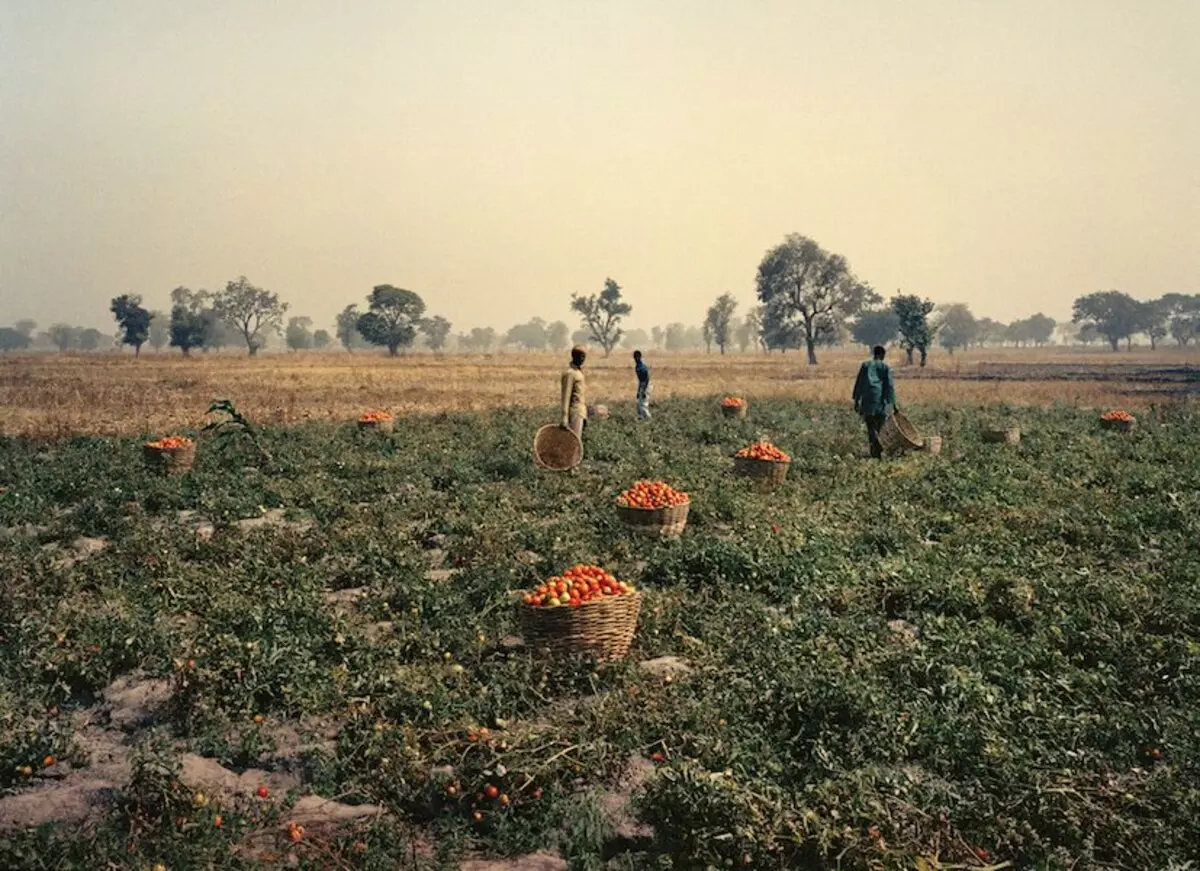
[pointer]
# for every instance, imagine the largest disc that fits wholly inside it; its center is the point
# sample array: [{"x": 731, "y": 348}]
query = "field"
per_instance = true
[{"x": 989, "y": 658}]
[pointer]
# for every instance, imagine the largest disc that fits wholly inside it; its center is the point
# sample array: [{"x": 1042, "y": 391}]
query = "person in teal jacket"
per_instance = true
[{"x": 874, "y": 394}]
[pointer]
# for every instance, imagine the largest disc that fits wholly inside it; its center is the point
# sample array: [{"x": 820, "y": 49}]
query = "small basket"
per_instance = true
[
  {"x": 170, "y": 461},
  {"x": 735, "y": 410},
  {"x": 1010, "y": 436},
  {"x": 899, "y": 435},
  {"x": 377, "y": 425},
  {"x": 766, "y": 472},
  {"x": 1125, "y": 426},
  {"x": 602, "y": 627},
  {"x": 932, "y": 445},
  {"x": 556, "y": 449},
  {"x": 666, "y": 522},
  {"x": 598, "y": 412}
]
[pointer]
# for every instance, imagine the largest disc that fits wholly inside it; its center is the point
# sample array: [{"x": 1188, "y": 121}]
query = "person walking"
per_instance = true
[
  {"x": 574, "y": 401},
  {"x": 874, "y": 393},
  {"x": 643, "y": 388}
]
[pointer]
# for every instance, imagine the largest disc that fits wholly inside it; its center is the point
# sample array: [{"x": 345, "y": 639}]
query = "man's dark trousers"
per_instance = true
[{"x": 875, "y": 423}]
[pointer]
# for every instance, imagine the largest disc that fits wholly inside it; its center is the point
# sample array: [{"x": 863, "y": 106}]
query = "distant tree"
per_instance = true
[
  {"x": 693, "y": 338},
  {"x": 657, "y": 336},
  {"x": 581, "y": 338},
  {"x": 1155, "y": 314},
  {"x": 191, "y": 320},
  {"x": 1115, "y": 315},
  {"x": 558, "y": 336},
  {"x": 12, "y": 339},
  {"x": 1183, "y": 316},
  {"x": 254, "y": 312},
  {"x": 26, "y": 327},
  {"x": 875, "y": 327},
  {"x": 436, "y": 329},
  {"x": 780, "y": 331},
  {"x": 160, "y": 331},
  {"x": 675, "y": 337},
  {"x": 635, "y": 340},
  {"x": 957, "y": 327},
  {"x": 392, "y": 318},
  {"x": 806, "y": 289},
  {"x": 322, "y": 339},
  {"x": 602, "y": 314},
  {"x": 706, "y": 334},
  {"x": 531, "y": 335},
  {"x": 133, "y": 320},
  {"x": 88, "y": 339},
  {"x": 719, "y": 320},
  {"x": 916, "y": 332},
  {"x": 219, "y": 333},
  {"x": 479, "y": 339},
  {"x": 346, "y": 327},
  {"x": 1040, "y": 329},
  {"x": 298, "y": 334},
  {"x": 1087, "y": 334},
  {"x": 64, "y": 336},
  {"x": 990, "y": 331}
]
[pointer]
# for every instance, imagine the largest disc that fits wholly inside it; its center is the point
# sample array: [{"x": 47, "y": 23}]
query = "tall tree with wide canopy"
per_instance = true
[
  {"x": 801, "y": 282},
  {"x": 393, "y": 317},
  {"x": 191, "y": 319},
  {"x": 1114, "y": 314},
  {"x": 253, "y": 311},
  {"x": 436, "y": 329},
  {"x": 875, "y": 327},
  {"x": 601, "y": 314},
  {"x": 133, "y": 320},
  {"x": 957, "y": 327},
  {"x": 1183, "y": 316},
  {"x": 916, "y": 332}
]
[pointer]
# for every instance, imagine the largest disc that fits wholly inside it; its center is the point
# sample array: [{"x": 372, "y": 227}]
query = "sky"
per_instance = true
[{"x": 496, "y": 157}]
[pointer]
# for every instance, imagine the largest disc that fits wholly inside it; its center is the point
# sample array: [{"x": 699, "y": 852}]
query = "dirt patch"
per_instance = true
[
  {"x": 666, "y": 668},
  {"x": 540, "y": 861},
  {"x": 273, "y": 518},
  {"x": 134, "y": 701},
  {"x": 80, "y": 549}
]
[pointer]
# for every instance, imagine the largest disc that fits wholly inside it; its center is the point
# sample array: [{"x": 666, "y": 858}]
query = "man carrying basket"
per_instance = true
[
  {"x": 574, "y": 403},
  {"x": 874, "y": 393}
]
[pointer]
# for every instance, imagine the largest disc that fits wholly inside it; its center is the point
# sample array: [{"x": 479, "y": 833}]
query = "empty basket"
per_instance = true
[
  {"x": 556, "y": 448},
  {"x": 899, "y": 435}
]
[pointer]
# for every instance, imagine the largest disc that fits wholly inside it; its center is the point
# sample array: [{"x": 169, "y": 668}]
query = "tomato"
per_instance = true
[{"x": 491, "y": 791}]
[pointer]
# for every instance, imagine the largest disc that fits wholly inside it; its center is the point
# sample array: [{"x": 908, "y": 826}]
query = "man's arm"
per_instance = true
[
  {"x": 567, "y": 381},
  {"x": 860, "y": 384}
]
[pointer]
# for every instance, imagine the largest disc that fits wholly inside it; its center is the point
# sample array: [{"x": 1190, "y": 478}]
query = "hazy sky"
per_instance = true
[{"x": 497, "y": 156}]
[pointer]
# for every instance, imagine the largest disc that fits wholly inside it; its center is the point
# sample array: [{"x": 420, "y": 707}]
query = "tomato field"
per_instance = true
[{"x": 987, "y": 658}]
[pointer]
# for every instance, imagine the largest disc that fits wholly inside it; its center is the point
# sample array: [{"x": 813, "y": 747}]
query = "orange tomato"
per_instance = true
[
  {"x": 170, "y": 443},
  {"x": 764, "y": 450}
]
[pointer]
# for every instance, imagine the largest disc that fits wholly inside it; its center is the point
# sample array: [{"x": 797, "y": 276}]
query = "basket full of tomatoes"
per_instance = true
[
  {"x": 583, "y": 610},
  {"x": 763, "y": 462},
  {"x": 377, "y": 420},
  {"x": 655, "y": 508},
  {"x": 734, "y": 406},
  {"x": 1121, "y": 421},
  {"x": 172, "y": 455}
]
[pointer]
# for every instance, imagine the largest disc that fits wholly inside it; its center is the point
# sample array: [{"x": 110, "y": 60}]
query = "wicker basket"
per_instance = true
[
  {"x": 602, "y": 627},
  {"x": 170, "y": 461},
  {"x": 556, "y": 448},
  {"x": 766, "y": 472},
  {"x": 377, "y": 425},
  {"x": 899, "y": 435},
  {"x": 666, "y": 522},
  {"x": 1009, "y": 436},
  {"x": 1118, "y": 425},
  {"x": 932, "y": 445},
  {"x": 735, "y": 410},
  {"x": 598, "y": 412}
]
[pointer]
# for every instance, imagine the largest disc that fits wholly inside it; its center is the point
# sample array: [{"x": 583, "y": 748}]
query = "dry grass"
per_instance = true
[{"x": 56, "y": 395}]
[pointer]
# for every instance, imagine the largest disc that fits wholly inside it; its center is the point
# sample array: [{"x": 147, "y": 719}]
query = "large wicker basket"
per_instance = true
[
  {"x": 1118, "y": 425},
  {"x": 899, "y": 435},
  {"x": 1010, "y": 436},
  {"x": 666, "y": 522},
  {"x": 602, "y": 627},
  {"x": 377, "y": 425},
  {"x": 556, "y": 448},
  {"x": 170, "y": 461},
  {"x": 766, "y": 472},
  {"x": 735, "y": 410}
]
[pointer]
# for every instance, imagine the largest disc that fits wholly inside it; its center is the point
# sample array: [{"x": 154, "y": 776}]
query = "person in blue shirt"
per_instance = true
[
  {"x": 874, "y": 395},
  {"x": 643, "y": 388}
]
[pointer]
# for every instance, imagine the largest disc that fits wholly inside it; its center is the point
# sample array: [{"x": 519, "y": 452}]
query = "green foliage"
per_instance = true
[
  {"x": 957, "y": 327},
  {"x": 916, "y": 332},
  {"x": 133, "y": 320},
  {"x": 875, "y": 327},
  {"x": 393, "y": 318},
  {"x": 992, "y": 650},
  {"x": 1112, "y": 314},
  {"x": 602, "y": 314},
  {"x": 718, "y": 322},
  {"x": 252, "y": 311},
  {"x": 436, "y": 330}
]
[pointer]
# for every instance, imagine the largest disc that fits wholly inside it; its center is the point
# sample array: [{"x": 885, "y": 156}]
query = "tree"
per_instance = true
[
  {"x": 1183, "y": 316},
  {"x": 64, "y": 336},
  {"x": 160, "y": 331},
  {"x": 807, "y": 288},
  {"x": 26, "y": 327},
  {"x": 480, "y": 339},
  {"x": 88, "y": 339},
  {"x": 875, "y": 327},
  {"x": 531, "y": 335},
  {"x": 392, "y": 318},
  {"x": 693, "y": 337},
  {"x": 657, "y": 336},
  {"x": 191, "y": 321},
  {"x": 706, "y": 333},
  {"x": 133, "y": 320},
  {"x": 779, "y": 330},
  {"x": 1154, "y": 321},
  {"x": 1115, "y": 315},
  {"x": 322, "y": 339},
  {"x": 436, "y": 329},
  {"x": 916, "y": 333},
  {"x": 346, "y": 327},
  {"x": 299, "y": 335},
  {"x": 719, "y": 320},
  {"x": 12, "y": 339},
  {"x": 990, "y": 331},
  {"x": 675, "y": 337},
  {"x": 635, "y": 340},
  {"x": 1087, "y": 334},
  {"x": 602, "y": 314},
  {"x": 581, "y": 337},
  {"x": 957, "y": 327},
  {"x": 558, "y": 336},
  {"x": 251, "y": 310}
]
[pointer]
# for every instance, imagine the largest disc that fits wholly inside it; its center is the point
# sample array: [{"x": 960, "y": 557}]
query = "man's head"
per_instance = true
[
  {"x": 578, "y": 355},
  {"x": 637, "y": 356},
  {"x": 879, "y": 352}
]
